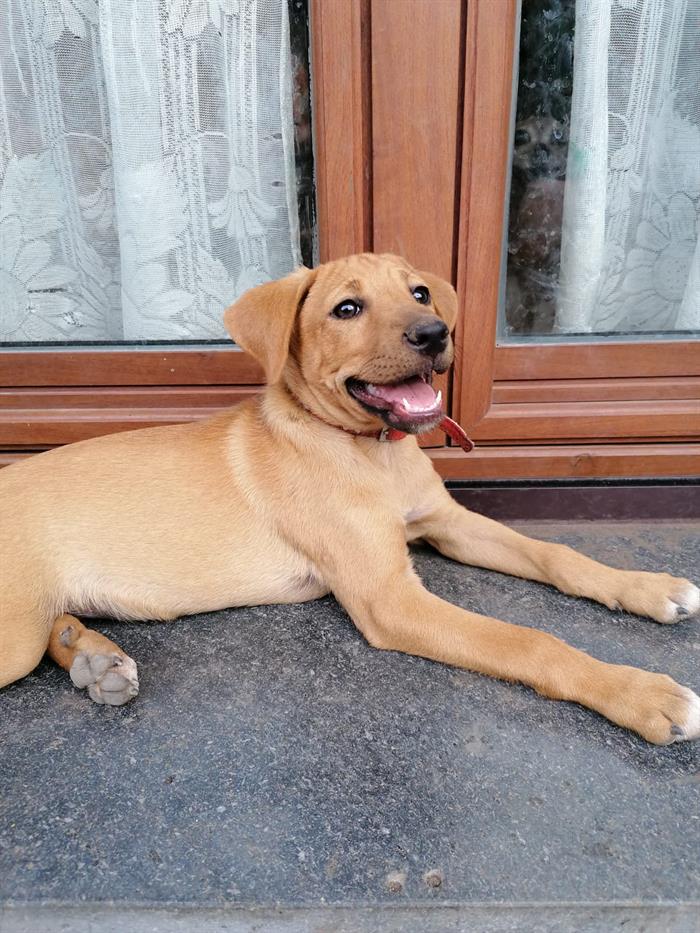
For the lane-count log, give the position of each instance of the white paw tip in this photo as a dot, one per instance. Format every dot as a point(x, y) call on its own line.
point(689, 600)
point(684, 603)
point(690, 727)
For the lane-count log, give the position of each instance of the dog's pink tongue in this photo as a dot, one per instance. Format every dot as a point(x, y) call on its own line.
point(413, 397)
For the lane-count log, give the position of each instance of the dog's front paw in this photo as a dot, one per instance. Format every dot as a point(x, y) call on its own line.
point(109, 678)
point(660, 596)
point(654, 705)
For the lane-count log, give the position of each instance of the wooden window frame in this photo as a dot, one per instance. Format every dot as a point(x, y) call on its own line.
point(98, 391)
point(412, 147)
point(370, 102)
point(548, 410)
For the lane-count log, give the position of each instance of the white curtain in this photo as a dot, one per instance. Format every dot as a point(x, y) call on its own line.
point(146, 165)
point(630, 251)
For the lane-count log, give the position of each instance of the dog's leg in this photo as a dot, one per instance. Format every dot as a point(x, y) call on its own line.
point(93, 661)
point(24, 635)
point(395, 612)
point(474, 539)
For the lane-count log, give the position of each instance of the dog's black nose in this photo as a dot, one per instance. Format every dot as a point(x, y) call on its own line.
point(429, 337)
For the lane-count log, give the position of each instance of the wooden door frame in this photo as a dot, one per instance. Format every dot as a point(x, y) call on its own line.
point(547, 410)
point(342, 125)
point(388, 132)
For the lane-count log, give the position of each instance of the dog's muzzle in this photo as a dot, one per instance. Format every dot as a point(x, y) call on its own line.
point(428, 337)
point(410, 404)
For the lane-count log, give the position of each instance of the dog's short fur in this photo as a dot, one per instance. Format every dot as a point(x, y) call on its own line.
point(273, 502)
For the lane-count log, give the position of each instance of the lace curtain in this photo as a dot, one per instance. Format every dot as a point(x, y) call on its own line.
point(147, 170)
point(630, 255)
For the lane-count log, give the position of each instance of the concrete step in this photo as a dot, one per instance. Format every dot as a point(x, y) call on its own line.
point(276, 773)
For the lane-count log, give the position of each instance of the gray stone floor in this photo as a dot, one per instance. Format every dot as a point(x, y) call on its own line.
point(280, 773)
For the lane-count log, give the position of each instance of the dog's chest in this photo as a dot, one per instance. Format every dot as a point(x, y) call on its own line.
point(415, 514)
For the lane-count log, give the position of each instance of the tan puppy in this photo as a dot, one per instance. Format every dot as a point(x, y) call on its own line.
point(279, 501)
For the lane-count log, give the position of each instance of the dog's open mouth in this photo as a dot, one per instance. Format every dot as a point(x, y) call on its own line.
point(411, 404)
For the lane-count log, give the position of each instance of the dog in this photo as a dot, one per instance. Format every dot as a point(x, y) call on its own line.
point(315, 486)
point(540, 149)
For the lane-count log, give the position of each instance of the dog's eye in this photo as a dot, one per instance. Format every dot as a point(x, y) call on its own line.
point(346, 309)
point(421, 294)
point(522, 137)
point(557, 134)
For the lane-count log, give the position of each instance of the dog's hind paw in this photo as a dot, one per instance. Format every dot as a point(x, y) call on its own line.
point(109, 678)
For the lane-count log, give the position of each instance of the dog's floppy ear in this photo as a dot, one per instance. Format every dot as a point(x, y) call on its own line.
point(262, 320)
point(444, 297)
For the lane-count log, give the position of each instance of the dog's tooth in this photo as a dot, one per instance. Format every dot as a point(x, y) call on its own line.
point(421, 409)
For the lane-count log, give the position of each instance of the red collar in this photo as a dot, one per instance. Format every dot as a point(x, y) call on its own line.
point(450, 427)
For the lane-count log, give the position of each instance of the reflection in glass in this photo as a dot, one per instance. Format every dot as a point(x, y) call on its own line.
point(303, 138)
point(605, 194)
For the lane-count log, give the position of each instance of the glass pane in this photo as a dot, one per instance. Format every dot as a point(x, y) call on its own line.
point(155, 162)
point(604, 206)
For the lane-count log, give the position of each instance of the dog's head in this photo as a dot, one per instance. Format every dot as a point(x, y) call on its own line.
point(540, 147)
point(356, 340)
